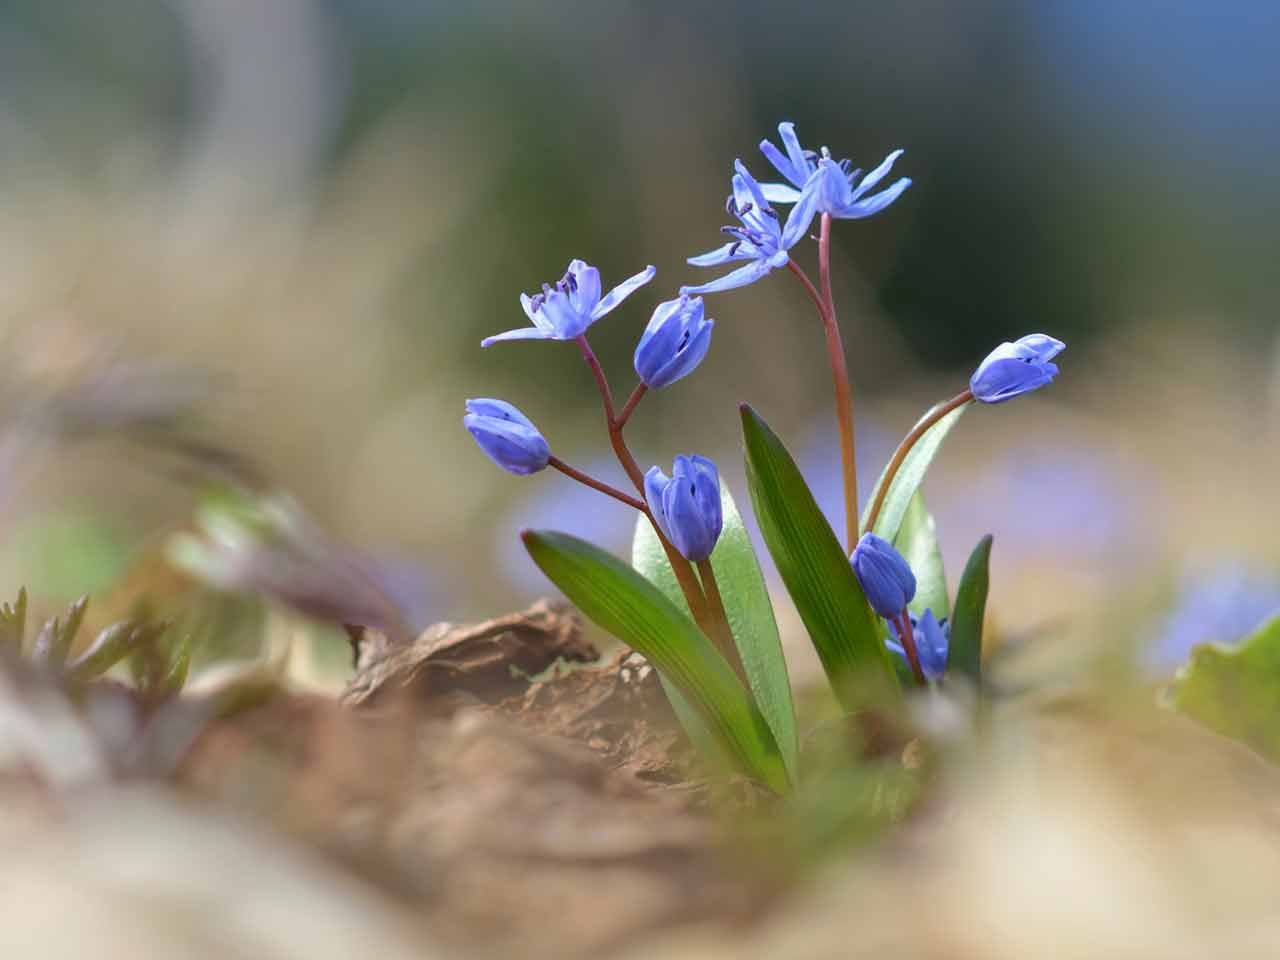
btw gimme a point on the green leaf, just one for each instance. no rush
(971, 607)
(1235, 691)
(746, 602)
(918, 543)
(624, 603)
(909, 476)
(816, 572)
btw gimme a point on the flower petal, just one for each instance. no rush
(655, 482)
(686, 360)
(787, 131)
(750, 185)
(781, 163)
(873, 204)
(498, 410)
(622, 291)
(526, 302)
(1042, 346)
(587, 293)
(734, 250)
(524, 333)
(779, 192)
(801, 214)
(744, 275)
(876, 175)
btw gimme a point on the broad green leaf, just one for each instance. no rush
(621, 601)
(971, 608)
(816, 572)
(918, 543)
(1236, 690)
(746, 601)
(909, 476)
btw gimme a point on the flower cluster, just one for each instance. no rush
(684, 509)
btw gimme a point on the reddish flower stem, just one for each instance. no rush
(839, 375)
(909, 441)
(687, 579)
(907, 635)
(595, 484)
(629, 407)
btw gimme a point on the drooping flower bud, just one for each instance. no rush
(933, 640)
(1013, 369)
(885, 575)
(686, 505)
(674, 342)
(507, 436)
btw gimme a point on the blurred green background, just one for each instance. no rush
(322, 207)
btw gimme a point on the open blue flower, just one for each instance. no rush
(674, 343)
(1013, 369)
(933, 640)
(686, 505)
(565, 311)
(840, 190)
(761, 238)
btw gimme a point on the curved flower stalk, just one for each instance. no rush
(1009, 371)
(841, 191)
(760, 238)
(565, 311)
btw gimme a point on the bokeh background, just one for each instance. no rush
(303, 215)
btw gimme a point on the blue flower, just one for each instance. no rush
(761, 239)
(1013, 369)
(933, 639)
(1220, 605)
(839, 191)
(686, 505)
(885, 575)
(565, 311)
(674, 342)
(507, 436)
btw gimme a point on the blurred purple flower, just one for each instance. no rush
(1221, 606)
(933, 640)
(760, 239)
(839, 190)
(565, 311)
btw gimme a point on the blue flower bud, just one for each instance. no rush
(507, 436)
(686, 505)
(933, 640)
(1012, 369)
(674, 342)
(885, 576)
